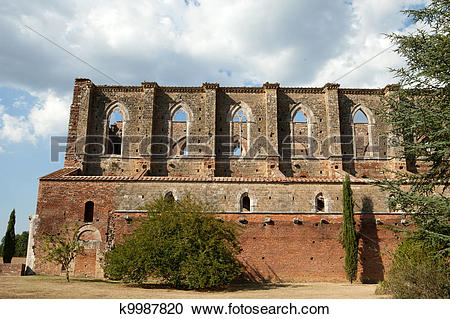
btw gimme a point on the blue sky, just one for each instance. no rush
(173, 42)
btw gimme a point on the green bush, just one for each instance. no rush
(180, 242)
(417, 272)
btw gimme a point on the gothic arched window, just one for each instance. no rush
(115, 133)
(239, 133)
(245, 203)
(300, 134)
(179, 131)
(361, 134)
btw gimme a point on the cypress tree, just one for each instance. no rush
(10, 239)
(349, 240)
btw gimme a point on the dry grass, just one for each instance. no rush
(54, 287)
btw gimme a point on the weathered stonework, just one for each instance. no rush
(239, 147)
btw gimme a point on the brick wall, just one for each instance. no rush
(282, 250)
(12, 269)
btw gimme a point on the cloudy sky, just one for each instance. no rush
(173, 42)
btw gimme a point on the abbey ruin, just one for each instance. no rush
(272, 158)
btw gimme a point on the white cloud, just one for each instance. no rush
(15, 129)
(186, 43)
(174, 42)
(49, 116)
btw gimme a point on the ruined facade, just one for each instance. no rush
(271, 158)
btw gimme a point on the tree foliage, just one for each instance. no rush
(419, 116)
(21, 245)
(417, 274)
(62, 247)
(349, 237)
(10, 239)
(180, 242)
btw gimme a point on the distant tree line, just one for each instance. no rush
(21, 245)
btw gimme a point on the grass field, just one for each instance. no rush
(55, 287)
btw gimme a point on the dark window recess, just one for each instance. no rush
(88, 212)
(246, 203)
(168, 198)
(320, 203)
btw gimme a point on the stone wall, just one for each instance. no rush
(12, 269)
(150, 134)
(288, 171)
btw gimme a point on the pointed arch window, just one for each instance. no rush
(319, 203)
(179, 132)
(362, 134)
(245, 203)
(300, 134)
(169, 198)
(115, 133)
(239, 133)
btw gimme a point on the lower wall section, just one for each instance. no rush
(310, 249)
(280, 250)
(12, 269)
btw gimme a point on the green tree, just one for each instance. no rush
(10, 239)
(181, 242)
(21, 244)
(419, 116)
(62, 247)
(349, 237)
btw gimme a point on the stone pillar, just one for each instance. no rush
(333, 145)
(150, 90)
(78, 121)
(394, 153)
(389, 90)
(273, 158)
(210, 132)
(30, 246)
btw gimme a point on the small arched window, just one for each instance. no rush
(169, 198)
(89, 212)
(320, 203)
(245, 203)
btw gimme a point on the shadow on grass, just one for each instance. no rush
(244, 286)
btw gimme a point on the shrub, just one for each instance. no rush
(417, 273)
(180, 242)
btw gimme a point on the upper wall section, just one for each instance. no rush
(223, 131)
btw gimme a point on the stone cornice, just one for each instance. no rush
(70, 174)
(210, 86)
(118, 88)
(182, 89)
(271, 86)
(362, 91)
(301, 90)
(242, 89)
